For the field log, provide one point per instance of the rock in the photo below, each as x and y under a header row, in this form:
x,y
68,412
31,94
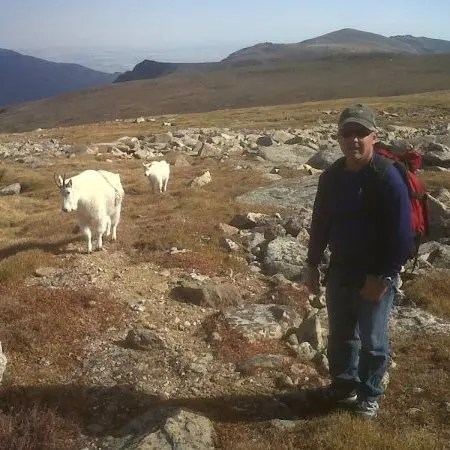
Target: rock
x,y
166,429
3,362
228,229
259,322
286,255
321,361
45,272
163,138
12,189
210,294
249,220
144,340
180,161
286,154
311,331
202,180
407,321
263,362
305,352
265,141
209,150
297,195
282,136
325,158
435,154
229,245
252,239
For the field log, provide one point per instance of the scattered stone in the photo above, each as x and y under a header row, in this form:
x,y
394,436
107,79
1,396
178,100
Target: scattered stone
x,y
12,189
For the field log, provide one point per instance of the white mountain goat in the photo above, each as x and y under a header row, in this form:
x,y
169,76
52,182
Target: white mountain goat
x,y
96,196
158,173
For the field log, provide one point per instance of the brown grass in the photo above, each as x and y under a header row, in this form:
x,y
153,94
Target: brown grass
x,y
19,266
435,180
40,325
184,217
432,292
425,363
37,428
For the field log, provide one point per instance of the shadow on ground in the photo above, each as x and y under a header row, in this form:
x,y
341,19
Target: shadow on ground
x,y
113,407
50,247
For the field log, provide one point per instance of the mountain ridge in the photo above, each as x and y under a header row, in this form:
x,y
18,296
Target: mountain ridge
x,y
26,78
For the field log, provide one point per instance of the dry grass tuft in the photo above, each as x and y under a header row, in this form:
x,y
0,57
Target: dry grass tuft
x,y
19,266
43,331
37,428
432,292
436,180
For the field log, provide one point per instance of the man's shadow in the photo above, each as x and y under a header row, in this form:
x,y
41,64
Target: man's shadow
x,y
114,407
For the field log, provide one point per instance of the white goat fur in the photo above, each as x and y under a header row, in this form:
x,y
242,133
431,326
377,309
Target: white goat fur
x,y
158,173
96,196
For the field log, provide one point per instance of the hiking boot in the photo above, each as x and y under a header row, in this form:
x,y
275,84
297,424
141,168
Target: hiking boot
x,y
367,409
333,395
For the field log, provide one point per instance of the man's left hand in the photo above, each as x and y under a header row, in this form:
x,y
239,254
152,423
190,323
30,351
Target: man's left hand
x,y
373,289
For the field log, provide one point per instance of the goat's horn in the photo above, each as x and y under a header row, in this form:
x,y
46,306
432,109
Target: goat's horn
x,y
55,179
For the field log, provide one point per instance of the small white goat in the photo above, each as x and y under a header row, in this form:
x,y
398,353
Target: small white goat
x,y
158,173
96,196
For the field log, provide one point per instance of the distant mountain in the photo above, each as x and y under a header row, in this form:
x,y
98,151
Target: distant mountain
x,y
149,69
338,42
424,45
341,42
227,87
24,78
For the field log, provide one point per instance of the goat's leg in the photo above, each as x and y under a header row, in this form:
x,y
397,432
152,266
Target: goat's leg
x,y
88,234
108,226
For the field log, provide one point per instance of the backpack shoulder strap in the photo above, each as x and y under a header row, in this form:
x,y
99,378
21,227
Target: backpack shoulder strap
x,y
380,165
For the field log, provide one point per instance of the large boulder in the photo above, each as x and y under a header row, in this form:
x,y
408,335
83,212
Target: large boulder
x,y
286,255
287,154
325,158
297,195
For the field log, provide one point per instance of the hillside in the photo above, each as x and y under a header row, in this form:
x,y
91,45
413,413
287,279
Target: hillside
x,y
195,326
237,87
25,78
339,42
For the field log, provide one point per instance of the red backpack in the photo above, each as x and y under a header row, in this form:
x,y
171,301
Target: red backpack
x,y
407,164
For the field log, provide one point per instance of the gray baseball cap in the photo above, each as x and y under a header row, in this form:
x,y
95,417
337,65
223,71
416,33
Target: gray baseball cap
x,y
358,113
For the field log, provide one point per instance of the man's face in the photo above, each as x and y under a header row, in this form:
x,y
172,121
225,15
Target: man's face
x,y
356,142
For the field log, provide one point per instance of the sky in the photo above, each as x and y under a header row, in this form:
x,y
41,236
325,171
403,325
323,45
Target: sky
x,y
199,30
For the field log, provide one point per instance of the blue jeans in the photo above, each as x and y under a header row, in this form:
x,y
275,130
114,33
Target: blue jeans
x,y
358,341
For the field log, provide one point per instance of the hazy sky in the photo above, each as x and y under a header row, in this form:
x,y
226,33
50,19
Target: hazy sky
x,y
197,29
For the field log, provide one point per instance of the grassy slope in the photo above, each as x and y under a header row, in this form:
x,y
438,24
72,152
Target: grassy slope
x,y
199,91
24,245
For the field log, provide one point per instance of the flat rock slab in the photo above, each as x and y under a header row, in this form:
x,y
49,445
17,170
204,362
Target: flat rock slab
x,y
260,322
289,194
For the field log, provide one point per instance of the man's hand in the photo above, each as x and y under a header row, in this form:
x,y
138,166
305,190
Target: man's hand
x,y
313,280
373,289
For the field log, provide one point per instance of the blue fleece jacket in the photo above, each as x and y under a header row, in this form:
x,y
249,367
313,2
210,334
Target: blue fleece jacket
x,y
371,243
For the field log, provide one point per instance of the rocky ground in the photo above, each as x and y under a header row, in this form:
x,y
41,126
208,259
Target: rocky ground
x,y
190,348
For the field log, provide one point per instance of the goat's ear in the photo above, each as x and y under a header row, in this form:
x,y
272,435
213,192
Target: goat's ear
x,y
58,181
69,183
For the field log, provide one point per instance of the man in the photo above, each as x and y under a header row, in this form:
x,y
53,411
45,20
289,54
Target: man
x,y
367,226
